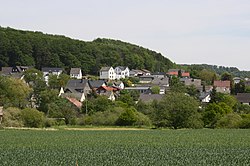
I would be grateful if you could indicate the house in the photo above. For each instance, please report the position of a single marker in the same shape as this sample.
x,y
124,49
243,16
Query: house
x,y
146,79
78,89
205,97
243,98
147,98
191,81
74,101
16,72
95,84
175,72
107,73
1,114
140,89
119,84
236,80
222,86
51,71
110,92
158,74
76,73
146,72
247,83
135,73
160,81
122,72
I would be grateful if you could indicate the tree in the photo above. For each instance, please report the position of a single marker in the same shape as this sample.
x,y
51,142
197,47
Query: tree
x,y
177,86
239,87
32,117
12,117
127,118
14,92
155,89
177,110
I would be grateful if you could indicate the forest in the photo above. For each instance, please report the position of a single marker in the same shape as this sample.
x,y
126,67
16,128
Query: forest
x,y
37,49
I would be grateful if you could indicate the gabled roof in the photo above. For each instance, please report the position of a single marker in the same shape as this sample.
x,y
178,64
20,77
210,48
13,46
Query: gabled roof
x,y
222,84
185,74
150,97
145,70
75,70
122,67
96,83
76,84
160,81
74,101
105,68
243,97
108,88
6,70
203,95
51,69
158,73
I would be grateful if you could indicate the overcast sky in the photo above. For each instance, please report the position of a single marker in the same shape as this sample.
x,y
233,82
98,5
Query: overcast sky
x,y
186,31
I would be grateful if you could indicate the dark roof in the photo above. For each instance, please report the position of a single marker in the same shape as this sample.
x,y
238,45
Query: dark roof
x,y
105,68
76,84
243,97
6,70
96,83
161,81
158,73
150,97
203,95
75,70
51,69
122,67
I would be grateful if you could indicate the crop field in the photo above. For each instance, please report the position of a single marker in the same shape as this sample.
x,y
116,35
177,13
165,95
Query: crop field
x,y
115,147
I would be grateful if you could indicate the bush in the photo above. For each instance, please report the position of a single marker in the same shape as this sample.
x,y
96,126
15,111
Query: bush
x,y
245,123
127,118
12,117
142,120
231,120
32,117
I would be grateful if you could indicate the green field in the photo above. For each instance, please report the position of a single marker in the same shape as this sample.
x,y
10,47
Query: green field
x,y
139,147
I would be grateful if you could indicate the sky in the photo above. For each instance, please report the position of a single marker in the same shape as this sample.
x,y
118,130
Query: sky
x,y
185,31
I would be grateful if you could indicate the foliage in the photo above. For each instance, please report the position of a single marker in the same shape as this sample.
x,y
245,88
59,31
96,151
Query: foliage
x,y
176,110
230,120
40,50
14,92
176,85
12,117
127,118
155,89
32,117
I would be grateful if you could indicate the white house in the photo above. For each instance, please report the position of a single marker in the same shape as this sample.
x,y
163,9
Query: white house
x,y
121,72
50,71
107,73
76,73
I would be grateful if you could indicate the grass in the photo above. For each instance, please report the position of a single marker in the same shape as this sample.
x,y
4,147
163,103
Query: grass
x,y
125,147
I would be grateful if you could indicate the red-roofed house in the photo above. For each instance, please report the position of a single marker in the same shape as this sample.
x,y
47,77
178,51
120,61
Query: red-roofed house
x,y
107,91
175,72
74,101
222,86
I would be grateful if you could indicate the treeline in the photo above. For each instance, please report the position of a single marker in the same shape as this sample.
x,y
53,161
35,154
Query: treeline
x,y
194,68
28,48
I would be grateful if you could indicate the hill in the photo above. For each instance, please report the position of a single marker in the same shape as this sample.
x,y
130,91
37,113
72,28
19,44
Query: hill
x,y
29,48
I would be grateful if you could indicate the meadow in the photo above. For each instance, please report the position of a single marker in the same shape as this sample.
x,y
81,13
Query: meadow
x,y
125,147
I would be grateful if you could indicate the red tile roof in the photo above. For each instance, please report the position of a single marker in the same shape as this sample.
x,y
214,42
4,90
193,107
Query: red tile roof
x,y
75,102
222,84
175,73
185,74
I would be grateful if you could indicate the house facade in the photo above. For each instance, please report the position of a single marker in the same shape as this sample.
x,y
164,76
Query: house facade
x,y
50,71
122,72
243,98
223,86
76,73
107,73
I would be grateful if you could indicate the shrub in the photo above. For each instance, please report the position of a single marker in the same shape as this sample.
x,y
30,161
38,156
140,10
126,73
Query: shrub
x,y
32,117
127,118
12,117
142,120
245,123
231,120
